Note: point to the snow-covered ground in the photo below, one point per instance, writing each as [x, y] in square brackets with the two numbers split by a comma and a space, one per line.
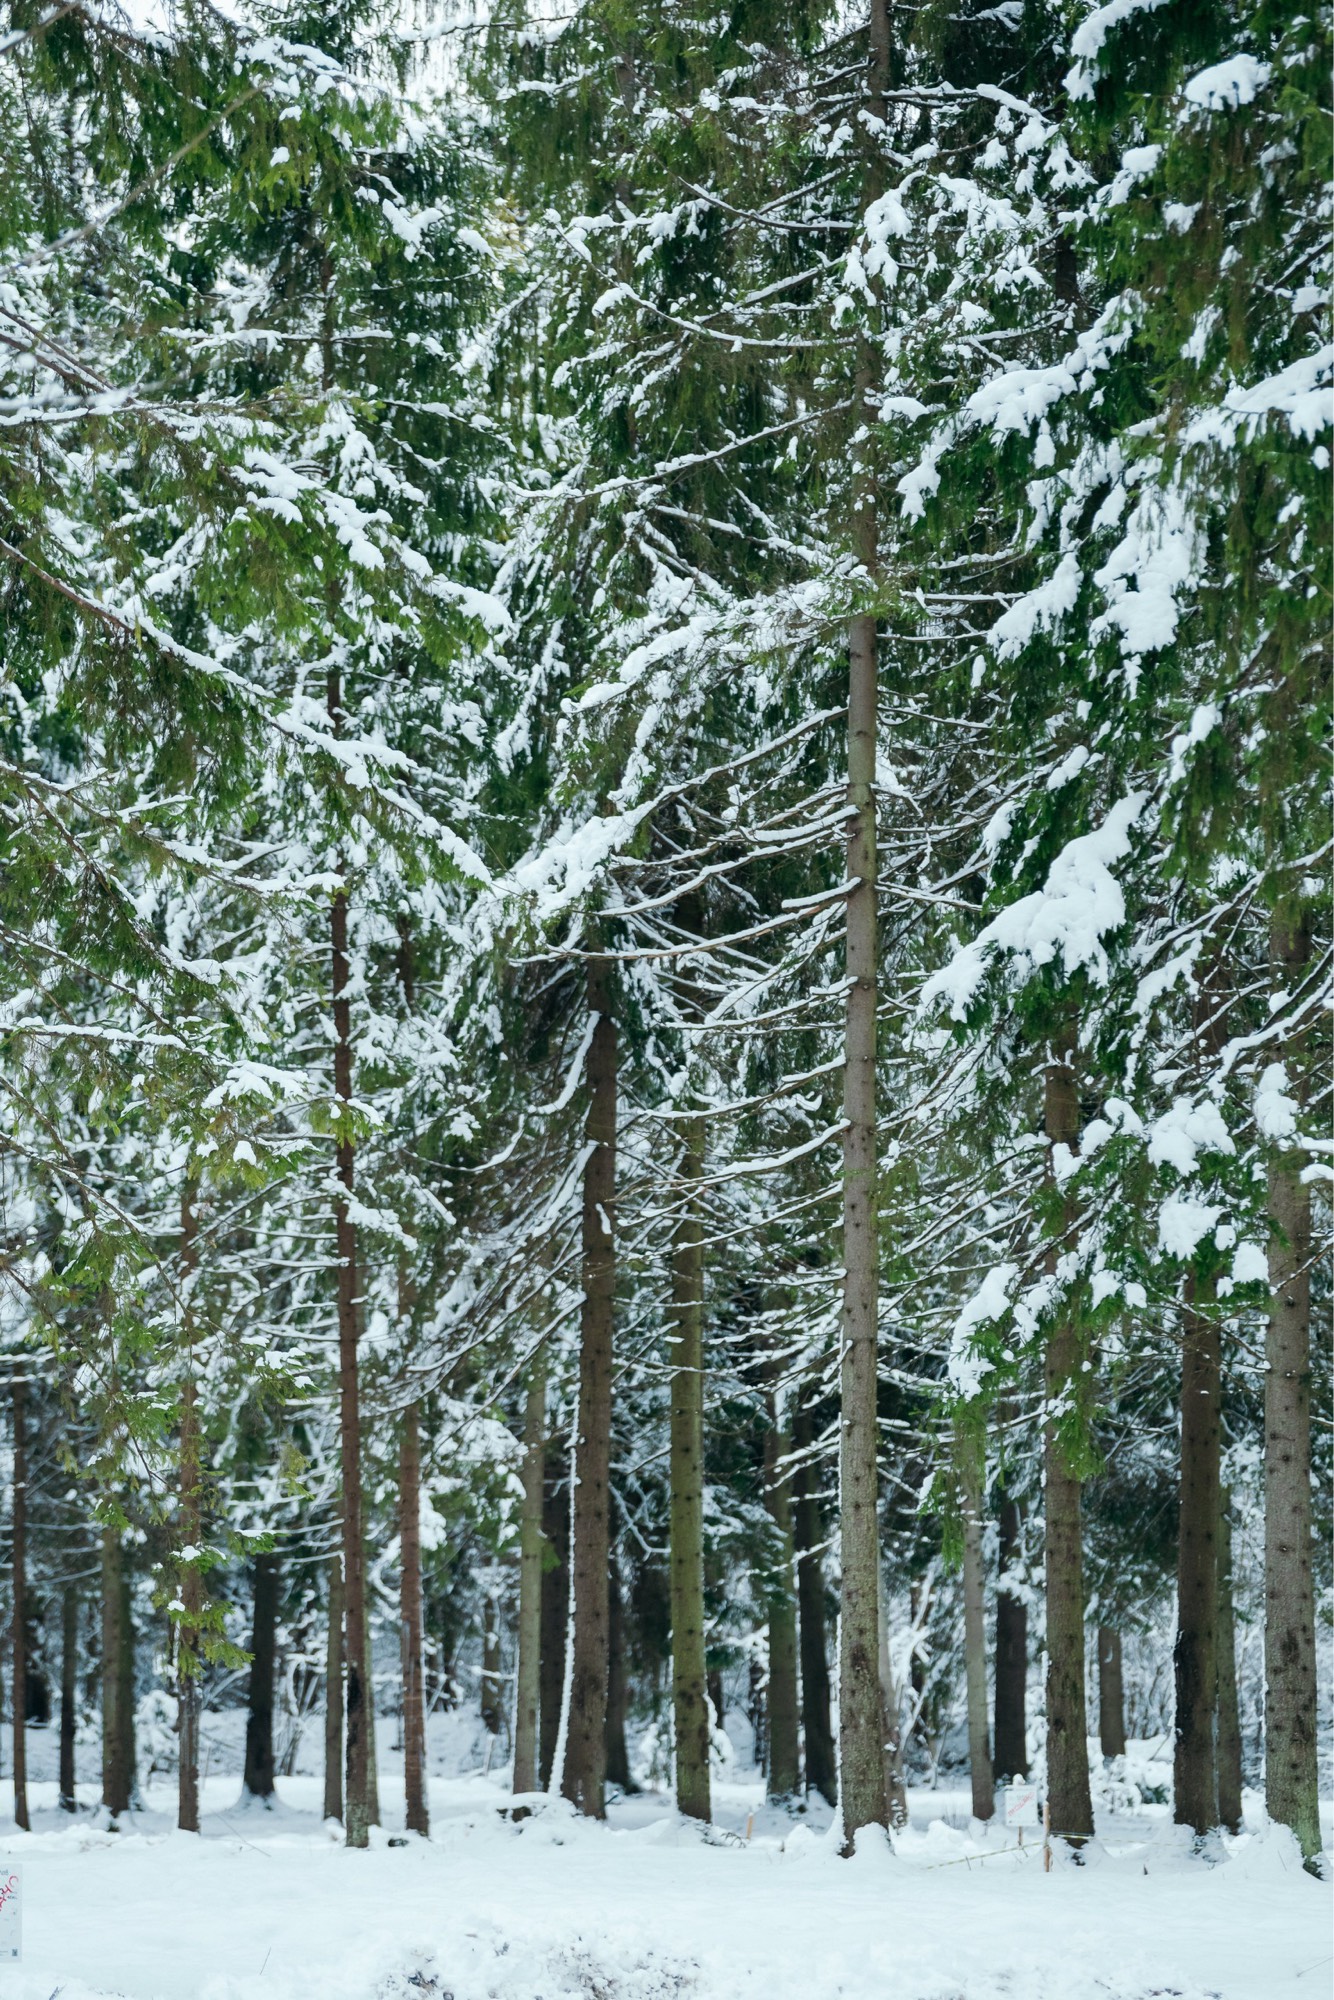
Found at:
[267, 1906]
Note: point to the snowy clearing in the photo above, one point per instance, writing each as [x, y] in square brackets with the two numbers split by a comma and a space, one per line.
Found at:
[267, 1906]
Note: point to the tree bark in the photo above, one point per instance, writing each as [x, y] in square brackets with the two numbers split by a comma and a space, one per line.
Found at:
[1291, 1777]
[784, 1774]
[333, 1696]
[188, 1689]
[257, 1781]
[1195, 1656]
[20, 1555]
[1111, 1694]
[490, 1686]
[417, 1817]
[975, 1633]
[1068, 1791]
[821, 1772]
[69, 1694]
[686, 1347]
[117, 1770]
[555, 1610]
[1011, 1652]
[586, 1748]
[1229, 1716]
[528, 1671]
[618, 1755]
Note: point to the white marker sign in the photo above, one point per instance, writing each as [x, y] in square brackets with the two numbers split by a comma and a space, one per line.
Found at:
[1021, 1805]
[11, 1911]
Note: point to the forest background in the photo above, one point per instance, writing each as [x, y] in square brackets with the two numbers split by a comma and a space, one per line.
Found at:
[665, 893]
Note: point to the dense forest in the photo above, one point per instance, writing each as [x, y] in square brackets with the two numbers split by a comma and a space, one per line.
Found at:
[665, 925]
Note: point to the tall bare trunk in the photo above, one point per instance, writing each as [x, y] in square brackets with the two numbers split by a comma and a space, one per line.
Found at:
[1111, 1694]
[490, 1683]
[333, 1695]
[555, 1609]
[117, 1775]
[257, 1781]
[19, 1395]
[1011, 1748]
[188, 1663]
[410, 1608]
[781, 1604]
[1229, 1716]
[586, 1751]
[821, 1771]
[1195, 1657]
[1067, 1719]
[1291, 1779]
[528, 1675]
[69, 1694]
[686, 1347]
[975, 1631]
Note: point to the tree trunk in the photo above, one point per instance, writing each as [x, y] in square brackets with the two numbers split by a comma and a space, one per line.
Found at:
[1229, 1717]
[410, 1604]
[618, 1755]
[1195, 1657]
[372, 1758]
[1068, 1792]
[117, 1772]
[490, 1687]
[586, 1748]
[20, 1553]
[333, 1696]
[1111, 1694]
[784, 1774]
[188, 1664]
[69, 1694]
[891, 1709]
[819, 1738]
[528, 1667]
[975, 1633]
[1011, 1653]
[1291, 1778]
[555, 1610]
[686, 1345]
[257, 1782]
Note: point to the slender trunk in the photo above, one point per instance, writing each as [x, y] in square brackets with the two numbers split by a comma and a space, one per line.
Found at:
[490, 1688]
[618, 1755]
[1229, 1716]
[586, 1748]
[333, 1696]
[69, 1694]
[686, 1344]
[1291, 1778]
[891, 1708]
[1068, 1792]
[188, 1664]
[116, 1774]
[781, 1602]
[1011, 1652]
[555, 1609]
[257, 1781]
[410, 1604]
[975, 1633]
[528, 1674]
[821, 1773]
[126, 1751]
[1195, 1657]
[372, 1758]
[1111, 1694]
[21, 1817]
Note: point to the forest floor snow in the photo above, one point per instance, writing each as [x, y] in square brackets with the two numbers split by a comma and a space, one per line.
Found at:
[268, 1906]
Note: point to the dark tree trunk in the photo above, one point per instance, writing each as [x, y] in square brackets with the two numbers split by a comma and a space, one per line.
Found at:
[20, 1555]
[258, 1779]
[715, 1691]
[410, 1606]
[815, 1723]
[117, 1727]
[69, 1694]
[333, 1696]
[1011, 1652]
[555, 1610]
[689, 1672]
[1111, 1694]
[586, 1747]
[1068, 1791]
[1195, 1659]
[780, 1599]
[1229, 1717]
[975, 1635]
[618, 1755]
[490, 1688]
[1291, 1776]
[188, 1664]
[528, 1665]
